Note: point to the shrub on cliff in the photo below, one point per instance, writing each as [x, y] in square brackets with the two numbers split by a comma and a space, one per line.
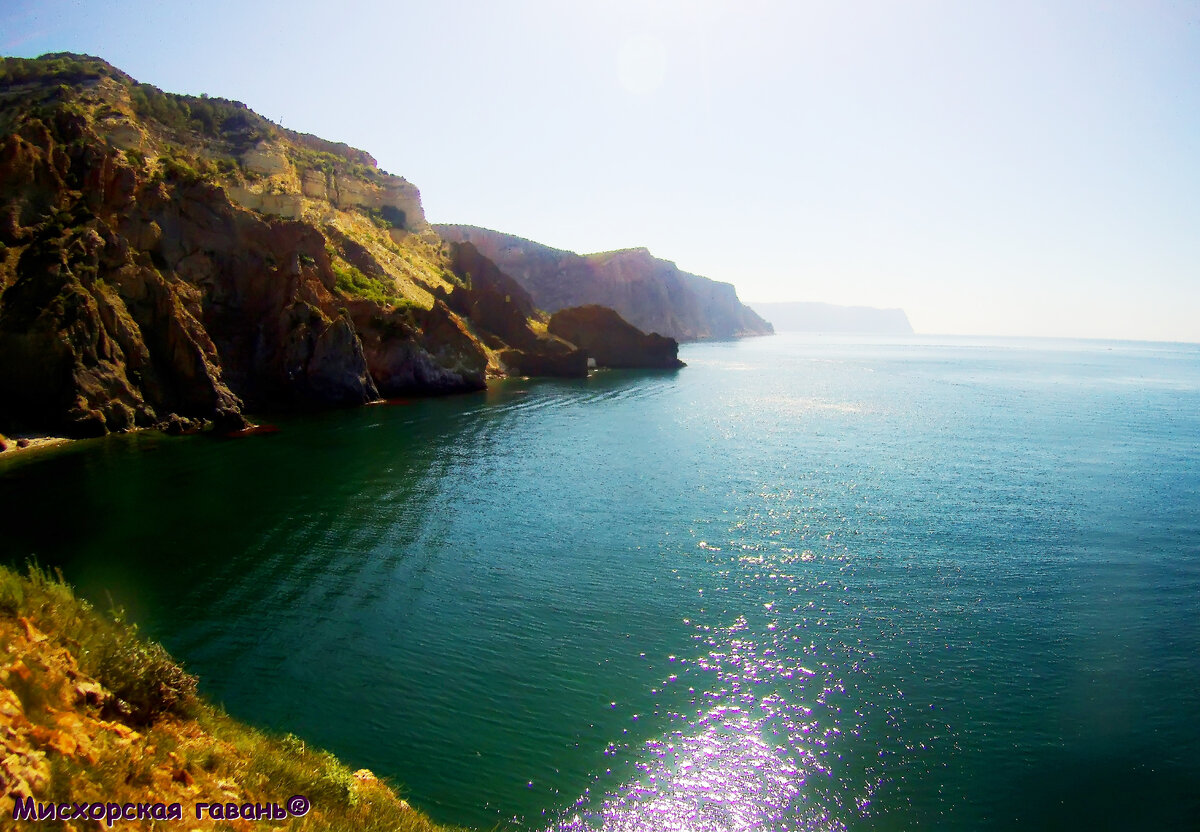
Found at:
[141, 674]
[353, 282]
[62, 67]
[62, 748]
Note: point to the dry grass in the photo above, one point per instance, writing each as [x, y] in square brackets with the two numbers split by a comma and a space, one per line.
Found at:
[67, 735]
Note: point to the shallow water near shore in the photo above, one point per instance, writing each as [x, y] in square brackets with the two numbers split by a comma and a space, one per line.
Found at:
[802, 584]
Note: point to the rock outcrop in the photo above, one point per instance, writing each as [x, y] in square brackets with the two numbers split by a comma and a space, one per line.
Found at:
[419, 351]
[652, 294]
[168, 260]
[497, 303]
[611, 341]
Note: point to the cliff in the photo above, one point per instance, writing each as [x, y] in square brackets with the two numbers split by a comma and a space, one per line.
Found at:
[90, 713]
[826, 317]
[652, 294]
[171, 260]
[613, 342]
[498, 303]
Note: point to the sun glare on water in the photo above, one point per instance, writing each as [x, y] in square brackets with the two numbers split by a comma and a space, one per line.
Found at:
[752, 737]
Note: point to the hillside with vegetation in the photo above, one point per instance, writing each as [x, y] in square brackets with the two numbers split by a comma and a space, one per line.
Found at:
[92, 715]
[175, 261]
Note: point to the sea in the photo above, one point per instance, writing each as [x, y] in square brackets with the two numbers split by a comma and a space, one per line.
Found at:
[804, 583]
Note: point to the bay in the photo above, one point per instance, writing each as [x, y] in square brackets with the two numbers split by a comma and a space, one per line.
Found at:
[803, 583]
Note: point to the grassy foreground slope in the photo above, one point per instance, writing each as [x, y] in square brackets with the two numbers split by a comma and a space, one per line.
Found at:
[91, 712]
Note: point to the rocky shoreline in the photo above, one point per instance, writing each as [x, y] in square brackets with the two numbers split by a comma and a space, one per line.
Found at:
[170, 261]
[12, 445]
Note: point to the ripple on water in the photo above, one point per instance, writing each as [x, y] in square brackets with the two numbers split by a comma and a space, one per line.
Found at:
[758, 732]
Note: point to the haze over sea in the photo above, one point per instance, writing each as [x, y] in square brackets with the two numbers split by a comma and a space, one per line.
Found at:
[803, 583]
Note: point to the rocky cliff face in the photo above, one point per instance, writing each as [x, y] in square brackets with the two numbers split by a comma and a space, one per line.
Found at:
[652, 294]
[496, 302]
[611, 341]
[172, 260]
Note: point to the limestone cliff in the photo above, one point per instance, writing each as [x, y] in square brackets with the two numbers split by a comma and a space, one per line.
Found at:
[171, 260]
[652, 294]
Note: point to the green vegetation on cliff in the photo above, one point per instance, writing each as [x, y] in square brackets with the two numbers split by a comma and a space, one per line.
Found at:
[213, 117]
[169, 259]
[172, 260]
[90, 711]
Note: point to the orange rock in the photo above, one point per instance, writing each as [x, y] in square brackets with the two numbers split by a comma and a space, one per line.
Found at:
[19, 669]
[122, 731]
[63, 743]
[68, 658]
[31, 632]
[182, 775]
[10, 705]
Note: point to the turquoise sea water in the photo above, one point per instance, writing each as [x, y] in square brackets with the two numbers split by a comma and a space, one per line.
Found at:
[801, 584]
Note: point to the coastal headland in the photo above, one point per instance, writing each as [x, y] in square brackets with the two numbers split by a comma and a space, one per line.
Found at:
[176, 261]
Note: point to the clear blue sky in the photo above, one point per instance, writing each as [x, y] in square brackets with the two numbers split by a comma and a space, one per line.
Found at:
[994, 168]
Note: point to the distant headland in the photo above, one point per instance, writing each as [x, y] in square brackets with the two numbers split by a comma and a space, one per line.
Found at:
[826, 317]
[175, 261]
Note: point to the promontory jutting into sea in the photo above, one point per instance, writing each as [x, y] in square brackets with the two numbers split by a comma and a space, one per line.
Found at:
[653, 566]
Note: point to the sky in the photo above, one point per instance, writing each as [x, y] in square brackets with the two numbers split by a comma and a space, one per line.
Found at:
[993, 168]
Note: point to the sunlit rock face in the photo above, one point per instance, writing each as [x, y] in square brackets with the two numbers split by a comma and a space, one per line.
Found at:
[286, 177]
[499, 305]
[650, 293]
[170, 260]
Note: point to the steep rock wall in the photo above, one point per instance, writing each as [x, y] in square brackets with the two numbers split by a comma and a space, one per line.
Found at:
[652, 294]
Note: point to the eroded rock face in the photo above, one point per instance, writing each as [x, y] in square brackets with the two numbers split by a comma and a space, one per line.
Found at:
[78, 355]
[568, 362]
[288, 206]
[419, 351]
[129, 300]
[266, 160]
[395, 198]
[170, 261]
[491, 298]
[497, 304]
[652, 294]
[612, 341]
